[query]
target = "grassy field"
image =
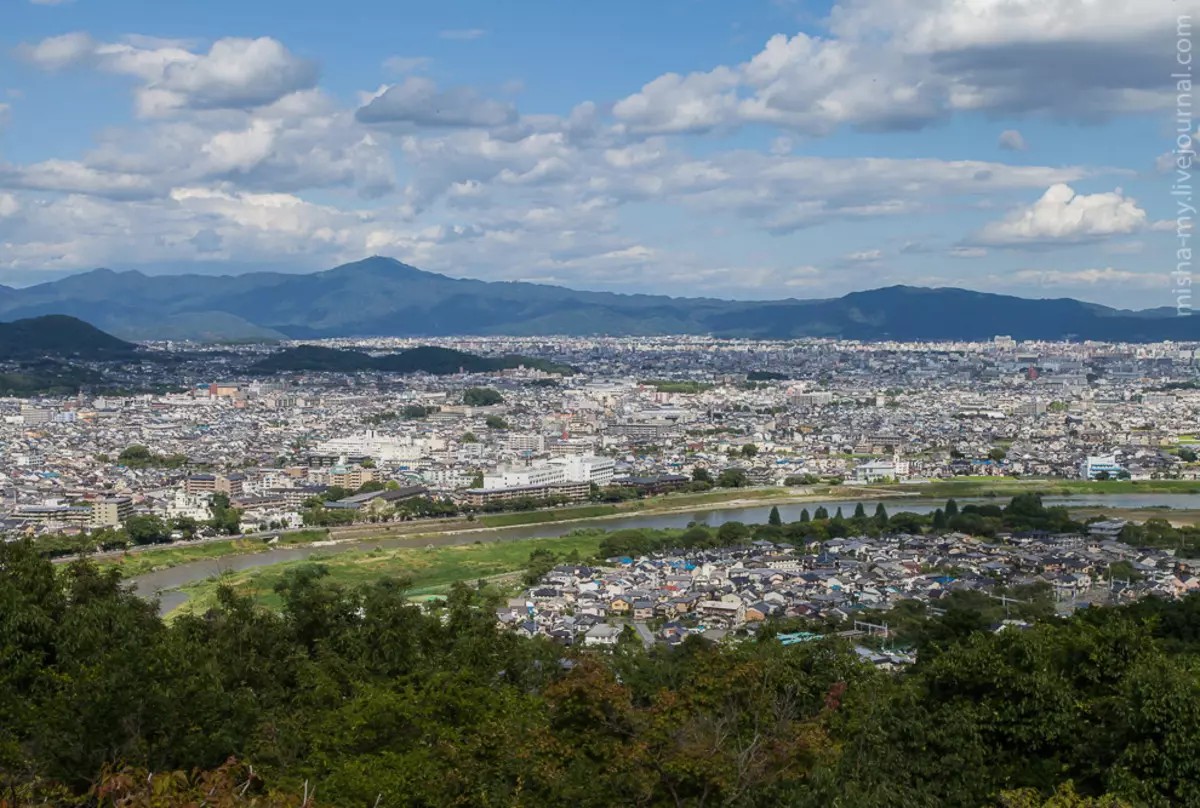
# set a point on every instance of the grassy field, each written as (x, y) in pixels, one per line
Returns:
(539, 517)
(428, 570)
(304, 536)
(134, 564)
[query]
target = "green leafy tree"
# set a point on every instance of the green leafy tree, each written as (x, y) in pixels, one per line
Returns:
(773, 518)
(749, 450)
(733, 478)
(481, 397)
(146, 530)
(939, 520)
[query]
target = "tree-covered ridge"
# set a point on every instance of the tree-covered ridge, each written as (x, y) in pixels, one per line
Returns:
(424, 359)
(59, 336)
(371, 700)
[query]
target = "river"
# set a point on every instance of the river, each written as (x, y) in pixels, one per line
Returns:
(164, 583)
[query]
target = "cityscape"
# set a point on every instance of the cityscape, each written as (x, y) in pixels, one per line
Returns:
(770, 404)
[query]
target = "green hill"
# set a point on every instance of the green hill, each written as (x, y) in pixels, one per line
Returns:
(425, 359)
(59, 336)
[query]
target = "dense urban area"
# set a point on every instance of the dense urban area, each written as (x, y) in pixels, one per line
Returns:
(911, 578)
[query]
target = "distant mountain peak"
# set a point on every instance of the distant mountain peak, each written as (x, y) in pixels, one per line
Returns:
(380, 264)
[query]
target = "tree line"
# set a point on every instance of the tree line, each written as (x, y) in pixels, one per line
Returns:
(367, 699)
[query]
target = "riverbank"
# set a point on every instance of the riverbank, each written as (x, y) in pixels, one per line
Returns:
(1008, 486)
(141, 560)
(427, 570)
(153, 558)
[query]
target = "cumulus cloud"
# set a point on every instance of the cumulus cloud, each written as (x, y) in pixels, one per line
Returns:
(418, 101)
(896, 64)
(1061, 215)
(1012, 140)
(235, 73)
(69, 176)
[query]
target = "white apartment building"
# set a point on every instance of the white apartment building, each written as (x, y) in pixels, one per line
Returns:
(877, 470)
(521, 477)
(589, 469)
(1092, 466)
(525, 443)
(386, 448)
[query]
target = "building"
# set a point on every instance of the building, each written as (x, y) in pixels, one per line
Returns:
(574, 492)
(231, 485)
(811, 399)
(110, 511)
(587, 469)
(516, 442)
(879, 470)
(1093, 466)
(526, 477)
(58, 514)
(35, 416)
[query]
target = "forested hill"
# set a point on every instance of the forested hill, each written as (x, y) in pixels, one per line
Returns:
(60, 337)
(424, 359)
(367, 699)
(382, 297)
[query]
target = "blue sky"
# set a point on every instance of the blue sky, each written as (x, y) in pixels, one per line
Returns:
(751, 150)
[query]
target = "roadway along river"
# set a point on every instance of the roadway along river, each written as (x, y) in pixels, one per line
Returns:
(164, 582)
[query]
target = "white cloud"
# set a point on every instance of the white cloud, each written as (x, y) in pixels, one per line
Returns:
(8, 205)
(56, 52)
(863, 256)
(234, 74)
(68, 176)
(463, 33)
(5, 115)
(1061, 215)
(968, 252)
(418, 101)
(903, 64)
(1012, 140)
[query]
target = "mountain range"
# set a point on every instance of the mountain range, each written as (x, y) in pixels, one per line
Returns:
(383, 297)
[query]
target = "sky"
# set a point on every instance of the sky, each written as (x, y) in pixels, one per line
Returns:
(757, 149)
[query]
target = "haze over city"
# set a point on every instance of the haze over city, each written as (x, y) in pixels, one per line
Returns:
(742, 150)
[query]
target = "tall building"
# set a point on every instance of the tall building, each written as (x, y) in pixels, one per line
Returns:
(110, 511)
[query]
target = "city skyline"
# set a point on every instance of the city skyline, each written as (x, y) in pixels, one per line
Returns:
(767, 151)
